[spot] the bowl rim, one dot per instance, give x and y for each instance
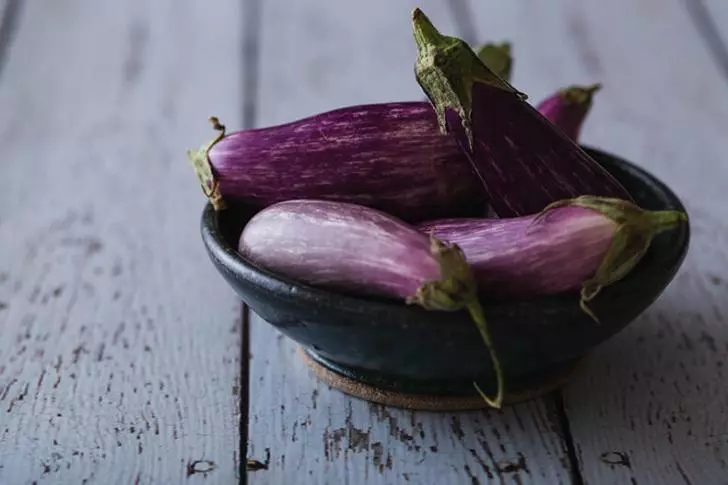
(231, 262)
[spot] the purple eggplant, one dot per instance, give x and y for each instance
(583, 243)
(568, 108)
(388, 156)
(362, 251)
(523, 161)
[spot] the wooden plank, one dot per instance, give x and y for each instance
(710, 18)
(651, 405)
(119, 356)
(9, 13)
(718, 11)
(346, 54)
(316, 435)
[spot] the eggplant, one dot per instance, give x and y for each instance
(583, 243)
(568, 108)
(365, 252)
(498, 58)
(388, 156)
(523, 161)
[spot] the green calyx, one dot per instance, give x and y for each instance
(455, 290)
(635, 228)
(201, 164)
(581, 95)
(446, 69)
(456, 286)
(497, 57)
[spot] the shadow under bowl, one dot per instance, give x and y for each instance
(406, 349)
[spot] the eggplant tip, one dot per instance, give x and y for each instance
(594, 88)
(216, 125)
(580, 94)
(425, 31)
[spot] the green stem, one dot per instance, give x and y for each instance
(476, 312)
(661, 221)
(456, 289)
(201, 164)
(497, 57)
(581, 95)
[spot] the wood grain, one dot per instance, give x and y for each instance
(306, 432)
(119, 356)
(651, 406)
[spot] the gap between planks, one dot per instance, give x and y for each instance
(707, 27)
(465, 27)
(249, 51)
(9, 17)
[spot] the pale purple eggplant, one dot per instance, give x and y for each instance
(389, 156)
(568, 108)
(523, 161)
(365, 252)
(583, 243)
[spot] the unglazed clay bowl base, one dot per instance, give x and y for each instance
(429, 396)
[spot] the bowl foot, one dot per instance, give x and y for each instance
(389, 391)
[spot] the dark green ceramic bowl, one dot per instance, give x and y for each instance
(408, 349)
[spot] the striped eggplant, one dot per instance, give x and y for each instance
(388, 156)
(568, 108)
(523, 161)
(362, 251)
(583, 243)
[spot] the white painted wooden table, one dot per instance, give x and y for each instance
(120, 346)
